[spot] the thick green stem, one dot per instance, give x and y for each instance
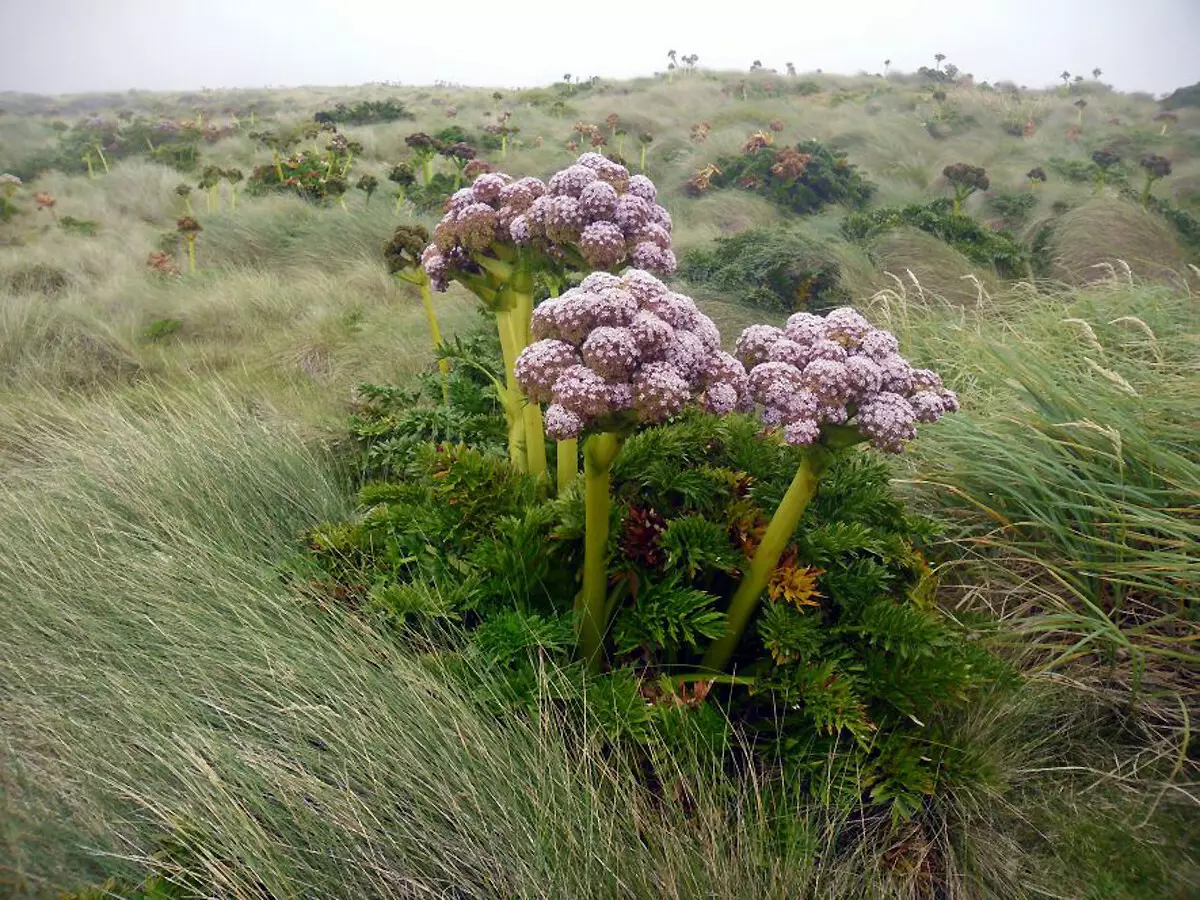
(643, 159)
(187, 204)
(103, 160)
(191, 241)
(512, 393)
(232, 198)
(436, 333)
(535, 440)
(778, 535)
(399, 200)
(598, 454)
(1146, 193)
(278, 165)
(88, 159)
(568, 463)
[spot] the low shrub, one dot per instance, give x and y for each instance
(1013, 206)
(365, 112)
(802, 179)
(770, 268)
(995, 247)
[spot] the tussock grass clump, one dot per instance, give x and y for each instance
(1085, 244)
(929, 266)
(1072, 479)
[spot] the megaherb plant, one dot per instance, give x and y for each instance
(720, 587)
(499, 235)
(403, 256)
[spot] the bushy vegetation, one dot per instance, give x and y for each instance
(995, 247)
(770, 268)
(802, 179)
(365, 112)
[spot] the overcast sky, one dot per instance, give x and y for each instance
(52, 46)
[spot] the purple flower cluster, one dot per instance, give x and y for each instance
(625, 348)
(830, 369)
(594, 208)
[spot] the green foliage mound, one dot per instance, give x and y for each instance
(995, 247)
(771, 268)
(365, 112)
(849, 664)
(803, 179)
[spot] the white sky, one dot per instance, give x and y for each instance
(52, 46)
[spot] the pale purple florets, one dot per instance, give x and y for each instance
(520, 194)
(888, 420)
(489, 186)
(835, 370)
(641, 186)
(540, 364)
(721, 398)
(654, 258)
(754, 344)
(556, 219)
(598, 200)
(602, 244)
(606, 357)
(475, 226)
(561, 424)
(613, 352)
(571, 181)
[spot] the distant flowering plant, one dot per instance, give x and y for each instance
(965, 180)
(613, 354)
(189, 228)
(824, 383)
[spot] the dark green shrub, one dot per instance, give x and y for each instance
(453, 135)
(430, 197)
(994, 247)
(772, 268)
(390, 424)
(802, 179)
(81, 227)
(1014, 207)
(848, 665)
(365, 112)
(161, 329)
(1181, 97)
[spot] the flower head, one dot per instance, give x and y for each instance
(617, 351)
(835, 370)
(591, 215)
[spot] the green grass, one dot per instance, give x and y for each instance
(165, 681)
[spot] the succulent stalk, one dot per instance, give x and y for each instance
(87, 158)
(403, 254)
(599, 451)
(778, 535)
(100, 152)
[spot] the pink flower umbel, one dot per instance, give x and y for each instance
(645, 351)
(838, 369)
